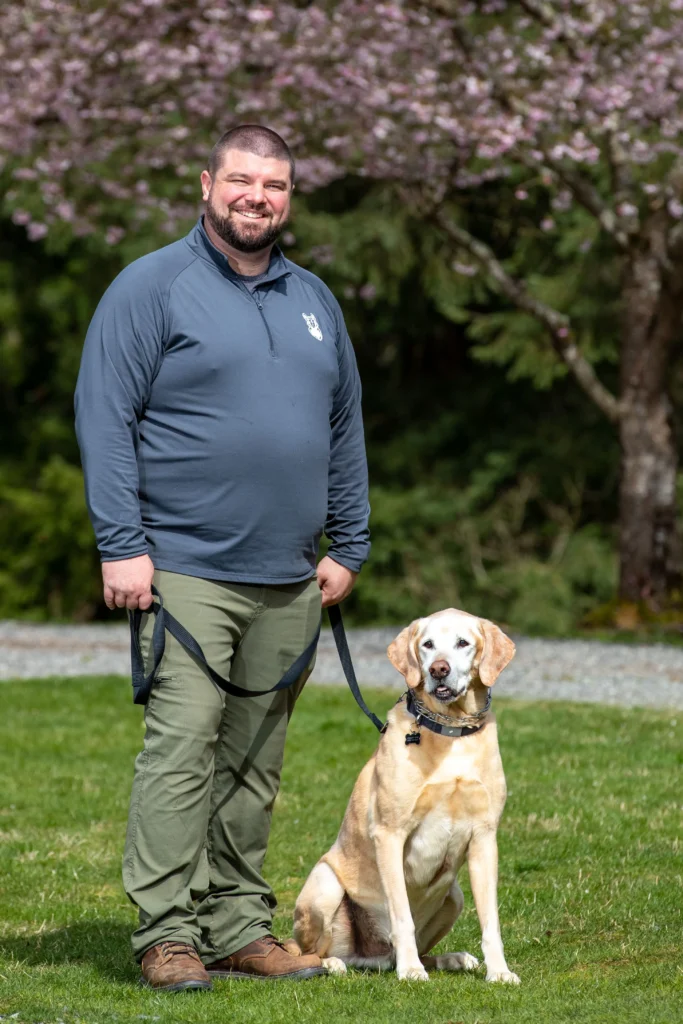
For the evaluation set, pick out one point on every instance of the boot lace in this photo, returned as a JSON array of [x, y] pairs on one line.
[[179, 949]]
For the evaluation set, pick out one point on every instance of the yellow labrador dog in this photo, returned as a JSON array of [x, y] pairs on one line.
[[432, 794]]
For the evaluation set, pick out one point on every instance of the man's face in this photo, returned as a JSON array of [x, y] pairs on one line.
[[247, 201]]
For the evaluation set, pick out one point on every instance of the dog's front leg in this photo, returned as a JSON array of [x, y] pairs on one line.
[[482, 858], [389, 853]]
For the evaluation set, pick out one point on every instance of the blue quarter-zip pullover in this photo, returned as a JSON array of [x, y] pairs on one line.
[[220, 428]]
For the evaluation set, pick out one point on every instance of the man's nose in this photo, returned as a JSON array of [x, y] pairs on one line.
[[439, 669], [255, 194]]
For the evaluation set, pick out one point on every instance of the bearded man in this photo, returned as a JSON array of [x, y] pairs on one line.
[[219, 420]]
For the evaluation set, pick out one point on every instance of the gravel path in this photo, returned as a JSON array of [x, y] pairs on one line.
[[577, 670]]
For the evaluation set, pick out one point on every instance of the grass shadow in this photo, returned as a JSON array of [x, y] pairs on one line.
[[104, 946]]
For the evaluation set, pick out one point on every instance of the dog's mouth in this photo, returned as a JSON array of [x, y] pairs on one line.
[[443, 693]]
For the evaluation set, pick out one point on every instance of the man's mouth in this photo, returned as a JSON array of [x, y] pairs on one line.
[[251, 214], [443, 693]]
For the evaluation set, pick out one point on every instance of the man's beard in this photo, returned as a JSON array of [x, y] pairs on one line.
[[250, 241]]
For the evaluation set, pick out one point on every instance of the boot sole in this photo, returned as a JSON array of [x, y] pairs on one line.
[[307, 972], [180, 986]]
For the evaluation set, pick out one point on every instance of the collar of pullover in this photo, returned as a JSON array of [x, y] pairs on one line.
[[199, 242]]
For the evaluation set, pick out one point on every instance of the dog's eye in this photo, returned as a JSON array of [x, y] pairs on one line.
[[429, 644], [463, 643]]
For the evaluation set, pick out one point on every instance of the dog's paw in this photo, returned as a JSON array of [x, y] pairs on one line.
[[292, 947], [457, 962], [333, 965], [416, 973], [503, 977]]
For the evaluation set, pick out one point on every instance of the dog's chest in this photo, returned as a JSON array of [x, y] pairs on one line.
[[445, 816], [435, 850]]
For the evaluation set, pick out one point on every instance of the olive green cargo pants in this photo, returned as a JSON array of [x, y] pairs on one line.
[[207, 777]]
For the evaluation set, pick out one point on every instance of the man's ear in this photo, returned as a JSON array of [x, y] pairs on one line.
[[402, 653], [498, 652]]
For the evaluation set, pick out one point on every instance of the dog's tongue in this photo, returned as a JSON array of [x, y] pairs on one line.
[[442, 691]]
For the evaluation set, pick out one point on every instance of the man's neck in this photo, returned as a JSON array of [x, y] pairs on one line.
[[247, 263]]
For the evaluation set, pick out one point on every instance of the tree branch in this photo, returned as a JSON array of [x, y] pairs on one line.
[[557, 324], [545, 13], [584, 192], [620, 170], [581, 187]]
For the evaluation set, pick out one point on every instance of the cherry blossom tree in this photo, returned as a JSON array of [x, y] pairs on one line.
[[106, 110]]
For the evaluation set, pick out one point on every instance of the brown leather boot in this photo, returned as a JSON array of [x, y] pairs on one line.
[[173, 967], [266, 959]]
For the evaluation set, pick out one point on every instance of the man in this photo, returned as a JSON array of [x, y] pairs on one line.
[[218, 416]]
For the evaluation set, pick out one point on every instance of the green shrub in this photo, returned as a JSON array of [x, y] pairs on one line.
[[49, 567], [481, 548], [436, 547]]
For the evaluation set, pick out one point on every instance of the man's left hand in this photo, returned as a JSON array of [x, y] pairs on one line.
[[335, 581]]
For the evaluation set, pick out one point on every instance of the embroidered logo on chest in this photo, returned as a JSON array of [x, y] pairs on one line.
[[313, 326]]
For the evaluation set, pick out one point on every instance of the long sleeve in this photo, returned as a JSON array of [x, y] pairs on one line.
[[122, 353], [348, 509]]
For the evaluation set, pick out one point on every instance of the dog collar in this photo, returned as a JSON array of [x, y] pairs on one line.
[[430, 720]]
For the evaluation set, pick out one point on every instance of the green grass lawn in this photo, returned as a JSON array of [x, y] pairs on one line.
[[590, 867]]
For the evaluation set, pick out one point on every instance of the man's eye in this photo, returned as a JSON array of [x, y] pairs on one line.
[[462, 643], [428, 644]]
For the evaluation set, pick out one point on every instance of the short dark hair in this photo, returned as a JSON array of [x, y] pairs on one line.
[[251, 138]]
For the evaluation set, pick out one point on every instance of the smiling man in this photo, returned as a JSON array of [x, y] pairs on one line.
[[218, 416]]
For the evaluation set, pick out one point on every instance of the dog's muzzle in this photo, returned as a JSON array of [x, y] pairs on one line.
[[439, 670]]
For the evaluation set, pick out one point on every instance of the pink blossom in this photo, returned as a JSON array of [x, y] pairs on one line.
[[464, 269], [322, 254], [258, 15], [141, 88], [36, 230], [65, 211], [562, 201]]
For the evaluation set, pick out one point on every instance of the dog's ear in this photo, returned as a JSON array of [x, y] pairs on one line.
[[402, 653], [498, 652]]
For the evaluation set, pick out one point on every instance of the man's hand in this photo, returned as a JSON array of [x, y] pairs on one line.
[[335, 581], [127, 583]]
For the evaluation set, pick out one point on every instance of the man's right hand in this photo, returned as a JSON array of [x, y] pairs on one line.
[[127, 583]]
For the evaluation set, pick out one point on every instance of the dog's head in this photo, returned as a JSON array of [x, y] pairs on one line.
[[445, 653]]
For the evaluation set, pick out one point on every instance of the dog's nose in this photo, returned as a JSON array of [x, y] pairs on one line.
[[439, 669]]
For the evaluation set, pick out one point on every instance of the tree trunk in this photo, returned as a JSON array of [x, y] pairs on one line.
[[649, 549]]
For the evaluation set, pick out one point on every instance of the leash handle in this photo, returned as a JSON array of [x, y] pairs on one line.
[[142, 685]]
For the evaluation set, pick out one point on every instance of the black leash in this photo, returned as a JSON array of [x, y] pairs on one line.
[[142, 685], [339, 634]]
